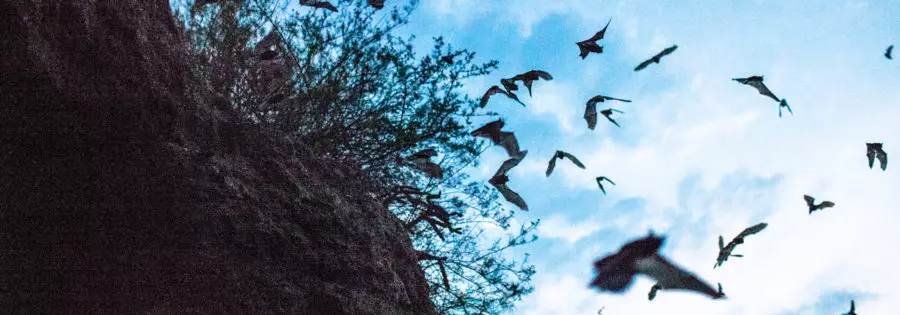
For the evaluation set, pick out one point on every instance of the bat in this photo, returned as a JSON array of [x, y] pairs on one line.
[[656, 58], [377, 4], [600, 180], [875, 151], [602, 98], [887, 53], [608, 112], [590, 115], [318, 4], [500, 179], [422, 160], [756, 82], [589, 45], [725, 251], [507, 140], [814, 207], [494, 90], [527, 79], [561, 155], [616, 271]]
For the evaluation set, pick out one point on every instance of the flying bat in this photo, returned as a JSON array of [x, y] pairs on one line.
[[589, 45], [500, 179], [875, 150], [494, 90], [602, 98], [887, 53], [616, 272], [505, 139], [377, 4], [608, 112], [810, 202], [655, 59], [852, 308], [422, 160], [756, 81], [318, 4], [600, 180], [560, 155], [527, 79], [725, 250]]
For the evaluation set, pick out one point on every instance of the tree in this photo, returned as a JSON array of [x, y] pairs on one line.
[[354, 91]]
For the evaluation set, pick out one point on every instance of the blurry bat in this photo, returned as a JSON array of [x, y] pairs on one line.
[[561, 155], [875, 150], [494, 90], [725, 251], [814, 207], [616, 272], [500, 179], [756, 82], [608, 112], [600, 180], [377, 4], [422, 160], [527, 79], [656, 58], [887, 53], [589, 45], [505, 139], [318, 4]]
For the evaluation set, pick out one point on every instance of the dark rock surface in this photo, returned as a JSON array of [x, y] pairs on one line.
[[124, 190]]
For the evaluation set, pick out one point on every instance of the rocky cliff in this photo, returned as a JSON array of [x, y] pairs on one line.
[[124, 189]]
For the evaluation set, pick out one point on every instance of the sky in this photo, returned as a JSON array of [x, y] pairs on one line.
[[698, 155]]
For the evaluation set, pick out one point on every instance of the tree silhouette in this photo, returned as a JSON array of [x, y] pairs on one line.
[[354, 91]]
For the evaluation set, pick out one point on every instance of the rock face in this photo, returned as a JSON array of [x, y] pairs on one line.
[[123, 190]]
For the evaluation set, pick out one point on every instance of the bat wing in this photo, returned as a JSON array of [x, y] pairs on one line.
[[763, 89], [870, 154], [826, 204], [887, 53], [614, 273], [613, 121], [599, 35], [514, 97], [643, 65], [551, 165], [672, 277], [510, 163], [618, 99], [852, 306], [540, 74], [490, 131], [666, 51], [882, 157], [809, 201], [753, 229], [509, 84], [590, 115], [509, 143], [573, 159], [434, 171], [721, 243], [427, 153], [512, 196], [487, 95], [652, 294]]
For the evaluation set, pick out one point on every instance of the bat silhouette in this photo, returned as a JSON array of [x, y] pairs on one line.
[[608, 112], [725, 250], [560, 155], [656, 58], [500, 179], [887, 53], [600, 180], [810, 202], [756, 81], [318, 4], [589, 45], [527, 79], [507, 140], [422, 160], [852, 308], [496, 89], [616, 272], [377, 4], [875, 150]]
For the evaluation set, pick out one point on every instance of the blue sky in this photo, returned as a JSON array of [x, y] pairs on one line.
[[699, 155]]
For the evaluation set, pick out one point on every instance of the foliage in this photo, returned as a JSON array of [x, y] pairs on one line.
[[356, 93]]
